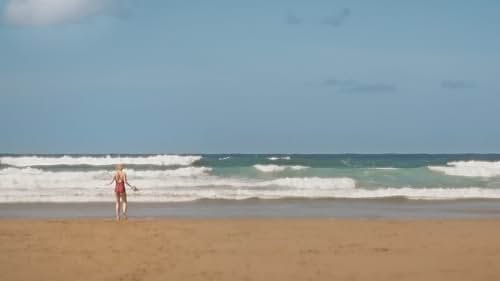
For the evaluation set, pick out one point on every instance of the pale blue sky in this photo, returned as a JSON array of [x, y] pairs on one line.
[[250, 76]]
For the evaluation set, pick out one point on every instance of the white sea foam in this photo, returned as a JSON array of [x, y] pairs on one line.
[[157, 194], [469, 169], [424, 193], [188, 183], [180, 172], [224, 158], [31, 178], [278, 168], [274, 158], [192, 183], [157, 160]]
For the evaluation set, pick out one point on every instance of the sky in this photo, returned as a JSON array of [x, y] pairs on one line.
[[115, 76]]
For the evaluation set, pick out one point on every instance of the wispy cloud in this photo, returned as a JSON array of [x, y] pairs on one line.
[[458, 84], [292, 18], [337, 19], [354, 86], [52, 12]]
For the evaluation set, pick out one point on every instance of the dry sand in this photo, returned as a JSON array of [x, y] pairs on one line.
[[249, 249]]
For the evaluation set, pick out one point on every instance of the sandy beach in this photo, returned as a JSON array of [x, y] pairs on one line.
[[249, 249]]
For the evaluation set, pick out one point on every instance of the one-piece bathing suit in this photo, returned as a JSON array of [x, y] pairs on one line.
[[120, 185]]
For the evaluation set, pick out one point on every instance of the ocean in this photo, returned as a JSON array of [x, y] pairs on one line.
[[236, 177]]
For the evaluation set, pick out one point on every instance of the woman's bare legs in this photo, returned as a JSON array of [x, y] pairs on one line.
[[117, 206], [124, 204]]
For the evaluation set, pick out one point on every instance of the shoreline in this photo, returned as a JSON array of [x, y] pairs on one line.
[[255, 208], [249, 249]]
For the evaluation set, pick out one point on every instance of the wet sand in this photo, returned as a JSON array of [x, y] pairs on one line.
[[390, 208], [249, 249]]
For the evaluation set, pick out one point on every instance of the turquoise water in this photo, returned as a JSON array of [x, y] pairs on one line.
[[368, 170]]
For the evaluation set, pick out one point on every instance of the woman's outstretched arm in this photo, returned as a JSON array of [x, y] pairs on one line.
[[126, 180]]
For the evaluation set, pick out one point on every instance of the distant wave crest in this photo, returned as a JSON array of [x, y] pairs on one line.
[[278, 168], [274, 158]]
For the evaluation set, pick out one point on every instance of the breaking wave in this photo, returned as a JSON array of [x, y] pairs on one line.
[[469, 169], [194, 183], [182, 184], [170, 178], [157, 160]]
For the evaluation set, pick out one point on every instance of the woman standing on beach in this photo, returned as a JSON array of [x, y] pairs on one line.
[[120, 178]]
